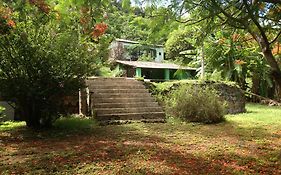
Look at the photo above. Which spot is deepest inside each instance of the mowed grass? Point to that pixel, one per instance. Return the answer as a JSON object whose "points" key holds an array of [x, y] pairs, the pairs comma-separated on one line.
{"points": [[248, 143]]}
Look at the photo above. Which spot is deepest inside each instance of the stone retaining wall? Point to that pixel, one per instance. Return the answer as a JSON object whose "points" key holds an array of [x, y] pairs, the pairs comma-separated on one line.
{"points": [[231, 94]]}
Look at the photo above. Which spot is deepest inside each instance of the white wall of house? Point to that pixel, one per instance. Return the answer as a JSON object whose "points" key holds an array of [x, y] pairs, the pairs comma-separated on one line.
{"points": [[9, 112], [159, 54], [125, 43]]}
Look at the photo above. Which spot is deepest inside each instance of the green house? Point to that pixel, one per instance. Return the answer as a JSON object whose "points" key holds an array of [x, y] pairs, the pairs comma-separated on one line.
{"points": [[130, 62], [156, 71]]}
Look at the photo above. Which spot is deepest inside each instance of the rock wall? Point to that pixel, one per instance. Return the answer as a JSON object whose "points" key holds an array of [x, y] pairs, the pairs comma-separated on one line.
{"points": [[230, 93], [233, 95]]}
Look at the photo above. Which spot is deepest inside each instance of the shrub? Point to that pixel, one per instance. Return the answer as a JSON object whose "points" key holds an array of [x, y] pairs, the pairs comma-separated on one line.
{"points": [[196, 104]]}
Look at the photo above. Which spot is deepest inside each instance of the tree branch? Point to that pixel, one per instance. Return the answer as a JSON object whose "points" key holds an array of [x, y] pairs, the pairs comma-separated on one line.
{"points": [[262, 32], [229, 23], [229, 16], [193, 22], [276, 38]]}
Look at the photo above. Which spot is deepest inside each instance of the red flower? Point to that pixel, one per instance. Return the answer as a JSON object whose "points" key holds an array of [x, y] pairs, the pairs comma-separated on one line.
{"points": [[99, 29], [11, 23]]}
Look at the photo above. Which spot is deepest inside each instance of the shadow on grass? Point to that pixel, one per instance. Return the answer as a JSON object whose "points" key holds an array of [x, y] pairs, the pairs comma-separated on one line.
{"points": [[122, 149], [81, 147]]}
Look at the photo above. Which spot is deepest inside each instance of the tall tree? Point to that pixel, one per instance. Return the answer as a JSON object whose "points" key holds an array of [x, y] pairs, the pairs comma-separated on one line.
{"points": [[260, 18]]}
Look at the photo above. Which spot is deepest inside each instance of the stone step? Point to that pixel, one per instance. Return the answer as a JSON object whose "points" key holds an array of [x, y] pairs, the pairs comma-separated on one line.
{"points": [[110, 111], [120, 95], [116, 86], [132, 116], [125, 105], [122, 100], [94, 84], [119, 122], [130, 91], [110, 79], [113, 80]]}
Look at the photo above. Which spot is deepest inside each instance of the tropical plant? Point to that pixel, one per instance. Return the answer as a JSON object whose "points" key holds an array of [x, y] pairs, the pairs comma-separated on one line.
{"points": [[259, 19]]}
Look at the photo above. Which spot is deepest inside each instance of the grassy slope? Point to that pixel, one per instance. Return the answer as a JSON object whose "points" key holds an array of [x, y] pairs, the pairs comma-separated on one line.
{"points": [[248, 143]]}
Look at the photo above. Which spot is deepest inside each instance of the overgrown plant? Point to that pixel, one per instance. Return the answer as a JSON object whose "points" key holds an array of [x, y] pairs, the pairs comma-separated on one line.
{"points": [[196, 104]]}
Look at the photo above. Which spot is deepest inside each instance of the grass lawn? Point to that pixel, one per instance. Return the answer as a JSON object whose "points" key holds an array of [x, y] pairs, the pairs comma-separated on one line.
{"points": [[247, 143]]}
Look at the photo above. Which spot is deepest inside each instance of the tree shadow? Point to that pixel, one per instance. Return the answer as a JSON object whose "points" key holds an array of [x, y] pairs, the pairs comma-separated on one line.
{"points": [[120, 149]]}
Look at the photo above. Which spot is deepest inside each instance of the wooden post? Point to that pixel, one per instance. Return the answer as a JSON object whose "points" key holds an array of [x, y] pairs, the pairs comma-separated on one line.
{"points": [[88, 101], [79, 102]]}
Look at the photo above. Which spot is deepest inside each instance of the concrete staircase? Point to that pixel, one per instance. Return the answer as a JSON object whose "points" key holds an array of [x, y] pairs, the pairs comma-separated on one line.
{"points": [[122, 100]]}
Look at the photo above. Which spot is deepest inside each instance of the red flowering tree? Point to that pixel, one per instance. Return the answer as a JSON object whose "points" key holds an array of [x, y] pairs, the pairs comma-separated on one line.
{"points": [[43, 57]]}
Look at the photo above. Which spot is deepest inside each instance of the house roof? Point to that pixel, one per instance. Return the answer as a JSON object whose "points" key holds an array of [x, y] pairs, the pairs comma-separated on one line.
{"points": [[136, 42], [154, 65]]}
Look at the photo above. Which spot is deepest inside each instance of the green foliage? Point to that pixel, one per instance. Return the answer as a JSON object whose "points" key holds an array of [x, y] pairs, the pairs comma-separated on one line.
{"points": [[126, 4], [196, 104], [139, 78], [179, 41], [182, 74], [43, 67], [141, 23], [11, 125], [225, 55], [74, 123], [214, 76], [145, 58], [255, 22], [43, 59], [107, 72], [2, 109], [229, 57]]}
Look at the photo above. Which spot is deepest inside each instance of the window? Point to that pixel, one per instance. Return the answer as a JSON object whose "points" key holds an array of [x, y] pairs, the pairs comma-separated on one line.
{"points": [[160, 53]]}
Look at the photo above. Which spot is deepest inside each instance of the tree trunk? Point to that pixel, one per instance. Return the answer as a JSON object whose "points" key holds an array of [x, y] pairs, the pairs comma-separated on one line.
{"points": [[32, 113], [255, 87], [29, 114], [275, 69]]}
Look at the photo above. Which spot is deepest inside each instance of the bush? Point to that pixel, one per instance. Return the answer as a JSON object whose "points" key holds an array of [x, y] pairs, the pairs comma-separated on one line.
{"points": [[196, 104]]}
